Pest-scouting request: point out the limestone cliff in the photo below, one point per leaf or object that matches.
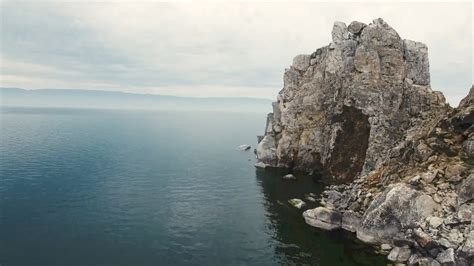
(361, 112)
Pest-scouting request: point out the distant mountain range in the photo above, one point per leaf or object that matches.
(94, 99)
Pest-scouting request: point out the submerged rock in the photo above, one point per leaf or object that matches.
(289, 177)
(310, 198)
(297, 203)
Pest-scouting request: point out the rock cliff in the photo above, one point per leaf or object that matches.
(361, 112)
(344, 107)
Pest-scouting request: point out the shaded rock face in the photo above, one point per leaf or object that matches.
(343, 107)
(350, 145)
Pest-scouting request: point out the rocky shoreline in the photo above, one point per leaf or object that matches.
(361, 112)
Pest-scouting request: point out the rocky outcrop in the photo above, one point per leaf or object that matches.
(343, 107)
(361, 112)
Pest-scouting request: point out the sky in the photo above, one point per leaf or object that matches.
(208, 49)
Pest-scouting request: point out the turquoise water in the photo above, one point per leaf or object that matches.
(92, 187)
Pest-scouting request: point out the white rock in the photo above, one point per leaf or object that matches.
(289, 177)
(244, 147)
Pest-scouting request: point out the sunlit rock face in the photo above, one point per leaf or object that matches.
(345, 106)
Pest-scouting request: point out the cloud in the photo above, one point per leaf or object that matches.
(207, 49)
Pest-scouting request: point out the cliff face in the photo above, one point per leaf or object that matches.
(362, 112)
(343, 107)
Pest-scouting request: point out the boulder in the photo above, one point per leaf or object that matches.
(266, 151)
(323, 218)
(385, 247)
(399, 206)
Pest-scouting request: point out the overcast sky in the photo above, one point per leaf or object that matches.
(208, 49)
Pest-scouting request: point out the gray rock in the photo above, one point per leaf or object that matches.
(385, 247)
(301, 62)
(339, 32)
(435, 222)
(399, 206)
(446, 257)
(468, 146)
(351, 221)
(323, 218)
(465, 213)
(416, 55)
(266, 151)
(297, 203)
(429, 176)
(455, 237)
(356, 27)
(399, 254)
(417, 259)
(466, 190)
(467, 249)
(261, 165)
(244, 147)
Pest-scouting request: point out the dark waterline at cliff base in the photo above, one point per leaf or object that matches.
(82, 187)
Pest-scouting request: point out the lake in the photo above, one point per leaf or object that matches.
(109, 187)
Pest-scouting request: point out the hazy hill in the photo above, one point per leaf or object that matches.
(14, 97)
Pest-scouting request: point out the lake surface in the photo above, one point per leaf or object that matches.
(97, 187)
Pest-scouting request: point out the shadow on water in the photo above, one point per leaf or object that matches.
(298, 243)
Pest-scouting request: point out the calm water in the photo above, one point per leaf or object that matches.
(90, 187)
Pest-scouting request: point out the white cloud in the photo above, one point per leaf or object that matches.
(208, 49)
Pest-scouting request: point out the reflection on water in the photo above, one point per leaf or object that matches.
(299, 243)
